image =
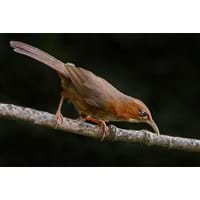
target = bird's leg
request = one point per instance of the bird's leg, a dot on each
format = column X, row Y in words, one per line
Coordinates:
column 59, row 116
column 100, row 122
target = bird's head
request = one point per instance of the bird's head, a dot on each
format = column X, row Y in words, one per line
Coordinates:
column 138, row 112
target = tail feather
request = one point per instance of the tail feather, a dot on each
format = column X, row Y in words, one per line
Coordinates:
column 39, row 55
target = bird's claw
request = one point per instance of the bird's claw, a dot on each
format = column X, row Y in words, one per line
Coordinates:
column 103, row 127
column 104, row 130
column 59, row 118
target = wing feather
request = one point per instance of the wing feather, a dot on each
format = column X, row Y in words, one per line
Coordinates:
column 94, row 90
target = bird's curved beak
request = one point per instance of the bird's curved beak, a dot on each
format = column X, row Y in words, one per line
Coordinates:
column 154, row 126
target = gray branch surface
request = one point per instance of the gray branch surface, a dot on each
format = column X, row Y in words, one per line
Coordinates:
column 41, row 118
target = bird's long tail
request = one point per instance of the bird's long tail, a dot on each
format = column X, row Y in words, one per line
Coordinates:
column 39, row 55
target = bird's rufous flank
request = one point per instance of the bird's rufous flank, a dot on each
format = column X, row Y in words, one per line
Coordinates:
column 95, row 98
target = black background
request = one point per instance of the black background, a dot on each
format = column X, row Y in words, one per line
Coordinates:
column 160, row 69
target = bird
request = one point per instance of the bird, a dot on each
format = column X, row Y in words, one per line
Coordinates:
column 96, row 100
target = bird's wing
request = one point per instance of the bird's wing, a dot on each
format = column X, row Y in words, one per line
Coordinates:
column 94, row 90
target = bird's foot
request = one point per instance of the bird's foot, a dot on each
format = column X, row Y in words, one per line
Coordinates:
column 59, row 118
column 104, row 129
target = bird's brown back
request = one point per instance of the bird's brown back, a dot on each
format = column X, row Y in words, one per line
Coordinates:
column 90, row 93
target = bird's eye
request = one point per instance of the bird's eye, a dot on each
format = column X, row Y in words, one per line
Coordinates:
column 142, row 113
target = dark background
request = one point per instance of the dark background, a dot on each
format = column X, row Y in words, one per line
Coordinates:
column 160, row 69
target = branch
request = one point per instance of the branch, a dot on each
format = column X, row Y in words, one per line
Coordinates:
column 79, row 127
